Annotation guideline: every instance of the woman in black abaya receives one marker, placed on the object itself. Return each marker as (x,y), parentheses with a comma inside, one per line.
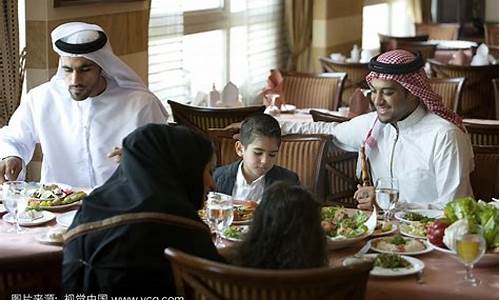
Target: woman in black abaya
(116,242)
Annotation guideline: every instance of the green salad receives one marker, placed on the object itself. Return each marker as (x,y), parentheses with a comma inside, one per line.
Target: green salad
(391,261)
(337,223)
(413,216)
(235,232)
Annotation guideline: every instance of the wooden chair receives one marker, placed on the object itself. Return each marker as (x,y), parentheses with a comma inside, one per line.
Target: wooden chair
(313,91)
(340,167)
(198,278)
(302,154)
(427,50)
(484,178)
(450,90)
(388,42)
(477,97)
(494,81)
(356,73)
(203,118)
(491,34)
(438,31)
(481,133)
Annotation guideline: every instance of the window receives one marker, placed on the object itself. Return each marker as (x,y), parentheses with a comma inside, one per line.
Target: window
(196,44)
(390,17)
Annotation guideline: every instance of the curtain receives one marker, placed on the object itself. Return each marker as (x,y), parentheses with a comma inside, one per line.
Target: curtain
(11,85)
(298,18)
(420,10)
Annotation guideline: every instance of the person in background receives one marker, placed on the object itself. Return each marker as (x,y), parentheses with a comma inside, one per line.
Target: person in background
(81,115)
(411,136)
(286,231)
(246,179)
(116,242)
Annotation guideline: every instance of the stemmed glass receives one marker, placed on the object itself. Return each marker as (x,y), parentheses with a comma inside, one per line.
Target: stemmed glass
(15,200)
(219,214)
(386,195)
(470,247)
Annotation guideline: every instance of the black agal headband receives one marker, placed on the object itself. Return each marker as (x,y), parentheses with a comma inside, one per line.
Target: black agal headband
(411,67)
(83,48)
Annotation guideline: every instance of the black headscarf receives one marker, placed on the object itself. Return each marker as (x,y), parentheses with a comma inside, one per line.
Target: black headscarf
(161,171)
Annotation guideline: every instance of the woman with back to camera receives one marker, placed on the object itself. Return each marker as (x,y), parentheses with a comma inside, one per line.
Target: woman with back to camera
(286,231)
(117,240)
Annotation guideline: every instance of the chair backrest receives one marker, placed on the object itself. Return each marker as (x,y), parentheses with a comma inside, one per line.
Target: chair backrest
(302,154)
(340,168)
(484,178)
(389,42)
(356,74)
(313,90)
(494,81)
(438,31)
(427,50)
(477,97)
(203,118)
(482,133)
(491,34)
(450,90)
(198,278)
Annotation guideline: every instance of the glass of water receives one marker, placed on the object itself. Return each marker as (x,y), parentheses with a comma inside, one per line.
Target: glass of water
(15,199)
(387,195)
(219,214)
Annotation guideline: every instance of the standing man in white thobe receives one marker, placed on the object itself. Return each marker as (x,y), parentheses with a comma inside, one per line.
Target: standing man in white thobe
(412,136)
(81,115)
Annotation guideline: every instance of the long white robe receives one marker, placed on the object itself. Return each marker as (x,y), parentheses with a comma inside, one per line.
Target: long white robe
(431,157)
(76,136)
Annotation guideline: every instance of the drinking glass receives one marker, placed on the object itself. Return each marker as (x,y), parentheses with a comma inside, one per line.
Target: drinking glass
(219,214)
(470,247)
(272,109)
(386,195)
(15,199)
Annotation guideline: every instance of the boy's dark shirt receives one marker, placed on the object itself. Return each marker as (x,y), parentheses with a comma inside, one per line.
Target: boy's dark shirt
(225,177)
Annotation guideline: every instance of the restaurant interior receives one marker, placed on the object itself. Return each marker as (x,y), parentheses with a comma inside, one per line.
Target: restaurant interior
(212,63)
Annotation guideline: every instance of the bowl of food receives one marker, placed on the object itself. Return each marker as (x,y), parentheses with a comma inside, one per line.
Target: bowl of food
(400,245)
(344,227)
(54,197)
(243,211)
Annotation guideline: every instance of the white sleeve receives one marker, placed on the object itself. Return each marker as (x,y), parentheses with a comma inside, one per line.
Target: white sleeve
(453,163)
(18,138)
(154,112)
(347,135)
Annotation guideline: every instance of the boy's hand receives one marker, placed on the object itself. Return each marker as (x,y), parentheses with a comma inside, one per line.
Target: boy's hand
(365,195)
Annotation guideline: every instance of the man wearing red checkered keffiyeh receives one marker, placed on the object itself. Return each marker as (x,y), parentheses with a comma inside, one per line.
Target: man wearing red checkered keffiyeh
(411,136)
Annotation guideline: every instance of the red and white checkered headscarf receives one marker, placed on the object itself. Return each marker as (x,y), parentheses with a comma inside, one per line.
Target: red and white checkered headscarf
(416,83)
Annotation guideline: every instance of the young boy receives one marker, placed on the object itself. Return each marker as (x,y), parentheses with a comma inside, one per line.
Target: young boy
(246,179)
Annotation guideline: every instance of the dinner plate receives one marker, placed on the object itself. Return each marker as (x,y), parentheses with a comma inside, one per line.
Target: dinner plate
(46,217)
(378,232)
(430,213)
(428,248)
(66,219)
(409,234)
(416,266)
(244,229)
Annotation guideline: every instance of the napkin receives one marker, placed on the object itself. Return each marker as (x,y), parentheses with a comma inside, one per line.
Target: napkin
(230,95)
(30,215)
(200,99)
(481,58)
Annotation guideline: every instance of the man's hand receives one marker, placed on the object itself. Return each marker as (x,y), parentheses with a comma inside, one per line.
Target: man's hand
(116,154)
(365,195)
(10,167)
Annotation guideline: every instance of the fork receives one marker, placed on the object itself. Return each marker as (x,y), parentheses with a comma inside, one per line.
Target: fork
(420,277)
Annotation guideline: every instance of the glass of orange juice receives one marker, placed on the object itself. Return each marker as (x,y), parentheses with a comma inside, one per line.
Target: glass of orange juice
(470,247)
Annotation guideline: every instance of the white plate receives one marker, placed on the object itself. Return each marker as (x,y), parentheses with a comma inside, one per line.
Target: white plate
(488,259)
(430,213)
(45,238)
(416,266)
(428,248)
(337,243)
(46,217)
(66,219)
(393,229)
(401,230)
(244,229)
